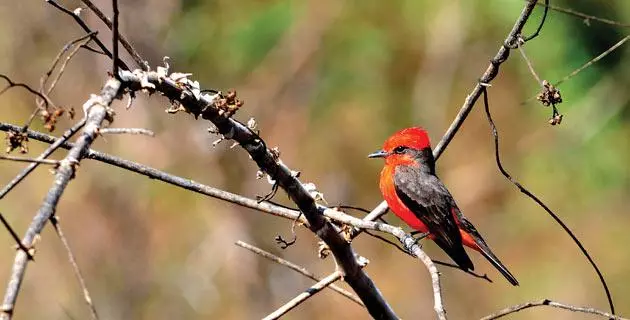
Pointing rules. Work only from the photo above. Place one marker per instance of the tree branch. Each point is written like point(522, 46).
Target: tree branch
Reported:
point(550, 303)
point(96, 112)
point(297, 268)
point(205, 105)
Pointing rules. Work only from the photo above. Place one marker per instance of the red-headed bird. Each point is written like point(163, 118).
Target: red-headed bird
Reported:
point(416, 195)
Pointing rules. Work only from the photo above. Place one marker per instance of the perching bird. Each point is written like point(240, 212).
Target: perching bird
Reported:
point(416, 195)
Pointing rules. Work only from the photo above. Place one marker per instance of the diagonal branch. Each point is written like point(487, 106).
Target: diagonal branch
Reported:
point(297, 268)
point(554, 304)
point(96, 109)
point(314, 289)
point(204, 105)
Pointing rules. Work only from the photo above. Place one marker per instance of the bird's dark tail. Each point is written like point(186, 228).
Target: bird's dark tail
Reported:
point(487, 253)
point(458, 254)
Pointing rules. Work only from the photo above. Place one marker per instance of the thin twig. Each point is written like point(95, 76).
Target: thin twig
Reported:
point(567, 230)
point(314, 289)
point(540, 25)
point(139, 131)
point(592, 61)
point(519, 44)
point(115, 39)
point(297, 268)
point(96, 112)
point(15, 237)
point(123, 40)
point(30, 160)
point(487, 77)
point(180, 182)
point(87, 29)
point(66, 135)
point(550, 303)
point(585, 16)
point(12, 84)
point(75, 266)
point(84, 41)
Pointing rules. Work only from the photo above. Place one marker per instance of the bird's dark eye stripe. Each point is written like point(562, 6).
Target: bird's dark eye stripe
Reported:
point(400, 149)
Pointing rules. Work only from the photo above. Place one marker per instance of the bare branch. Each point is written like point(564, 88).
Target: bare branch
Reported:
point(140, 131)
point(305, 295)
point(550, 303)
point(96, 112)
point(15, 237)
point(29, 160)
point(13, 84)
point(584, 16)
point(87, 29)
point(115, 60)
point(553, 215)
point(123, 40)
point(213, 108)
point(592, 61)
point(66, 135)
point(297, 268)
point(75, 266)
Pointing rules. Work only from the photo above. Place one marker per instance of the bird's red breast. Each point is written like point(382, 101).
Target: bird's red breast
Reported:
point(388, 189)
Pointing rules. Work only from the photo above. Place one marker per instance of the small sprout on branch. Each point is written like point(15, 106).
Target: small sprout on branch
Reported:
point(295, 174)
point(229, 104)
point(311, 188)
point(251, 124)
point(15, 140)
point(555, 119)
point(77, 11)
point(549, 95)
point(323, 251)
point(163, 71)
point(50, 118)
point(346, 232)
point(259, 175)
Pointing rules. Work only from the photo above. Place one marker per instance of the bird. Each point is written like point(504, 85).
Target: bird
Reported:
point(414, 193)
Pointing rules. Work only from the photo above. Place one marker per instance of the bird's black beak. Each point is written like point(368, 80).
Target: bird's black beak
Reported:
point(378, 154)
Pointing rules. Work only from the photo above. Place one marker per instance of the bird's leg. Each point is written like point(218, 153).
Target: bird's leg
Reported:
point(421, 236)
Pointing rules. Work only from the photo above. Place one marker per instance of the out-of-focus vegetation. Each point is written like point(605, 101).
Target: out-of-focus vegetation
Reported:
point(327, 81)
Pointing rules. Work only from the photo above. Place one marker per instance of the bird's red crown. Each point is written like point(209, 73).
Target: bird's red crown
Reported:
point(414, 137)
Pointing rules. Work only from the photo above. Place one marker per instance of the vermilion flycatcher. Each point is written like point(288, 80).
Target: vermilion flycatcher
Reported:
point(416, 195)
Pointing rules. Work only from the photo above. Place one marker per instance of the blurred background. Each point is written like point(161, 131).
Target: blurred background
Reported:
point(327, 81)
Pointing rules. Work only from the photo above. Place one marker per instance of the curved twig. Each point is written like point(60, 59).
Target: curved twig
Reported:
point(521, 188)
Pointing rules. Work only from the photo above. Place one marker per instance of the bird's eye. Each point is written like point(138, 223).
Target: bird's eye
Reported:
point(400, 149)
